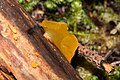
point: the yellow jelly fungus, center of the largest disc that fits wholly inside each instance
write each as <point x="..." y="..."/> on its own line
<point x="15" y="37"/>
<point x="34" y="64"/>
<point x="57" y="33"/>
<point x="14" y="31"/>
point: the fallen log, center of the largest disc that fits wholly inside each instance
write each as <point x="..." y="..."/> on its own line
<point x="24" y="53"/>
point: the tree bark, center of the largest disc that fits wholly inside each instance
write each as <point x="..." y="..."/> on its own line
<point x="24" y="53"/>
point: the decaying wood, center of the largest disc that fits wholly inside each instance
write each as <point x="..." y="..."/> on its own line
<point x="24" y="53"/>
<point x="90" y="55"/>
<point x="93" y="57"/>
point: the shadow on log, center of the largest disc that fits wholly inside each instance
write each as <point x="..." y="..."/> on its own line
<point x="24" y="53"/>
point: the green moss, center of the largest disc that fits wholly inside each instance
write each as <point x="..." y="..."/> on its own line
<point x="118" y="1"/>
<point x="106" y="14"/>
<point x="116" y="74"/>
<point x="50" y="4"/>
<point x="85" y="74"/>
<point x="77" y="14"/>
<point x="28" y="6"/>
<point x="21" y="1"/>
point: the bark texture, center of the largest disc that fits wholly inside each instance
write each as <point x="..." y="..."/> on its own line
<point x="24" y="53"/>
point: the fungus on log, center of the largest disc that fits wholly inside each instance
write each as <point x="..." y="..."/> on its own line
<point x="24" y="53"/>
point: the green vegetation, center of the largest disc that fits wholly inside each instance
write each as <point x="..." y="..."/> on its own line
<point x="116" y="74"/>
<point x="74" y="15"/>
<point x="28" y="4"/>
<point x="118" y="1"/>
<point x="85" y="74"/>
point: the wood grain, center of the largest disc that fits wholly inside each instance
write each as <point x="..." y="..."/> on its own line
<point x="21" y="47"/>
